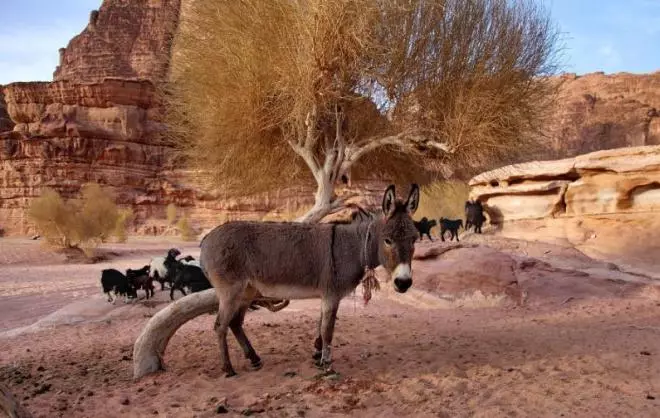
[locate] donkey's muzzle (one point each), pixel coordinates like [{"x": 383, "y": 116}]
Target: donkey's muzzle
[{"x": 402, "y": 284}]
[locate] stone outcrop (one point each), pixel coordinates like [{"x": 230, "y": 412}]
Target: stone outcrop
[
  {"x": 607, "y": 202},
  {"x": 6, "y": 123},
  {"x": 124, "y": 38},
  {"x": 598, "y": 111}
]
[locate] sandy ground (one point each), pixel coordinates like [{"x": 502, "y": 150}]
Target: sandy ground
[{"x": 587, "y": 357}]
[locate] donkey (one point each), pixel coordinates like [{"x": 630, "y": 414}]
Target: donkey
[{"x": 289, "y": 260}]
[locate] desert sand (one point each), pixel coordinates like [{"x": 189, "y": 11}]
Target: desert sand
[{"x": 548, "y": 332}]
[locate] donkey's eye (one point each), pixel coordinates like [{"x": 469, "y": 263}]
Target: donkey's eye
[{"x": 388, "y": 242}]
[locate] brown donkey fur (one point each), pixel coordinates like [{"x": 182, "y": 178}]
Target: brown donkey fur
[{"x": 244, "y": 260}]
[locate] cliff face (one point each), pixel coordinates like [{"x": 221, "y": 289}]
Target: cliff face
[
  {"x": 606, "y": 203},
  {"x": 598, "y": 111},
  {"x": 124, "y": 38},
  {"x": 6, "y": 123}
]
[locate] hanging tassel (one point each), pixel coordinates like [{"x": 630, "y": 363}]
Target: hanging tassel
[{"x": 369, "y": 283}]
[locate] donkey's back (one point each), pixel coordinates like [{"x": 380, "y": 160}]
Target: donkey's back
[{"x": 273, "y": 256}]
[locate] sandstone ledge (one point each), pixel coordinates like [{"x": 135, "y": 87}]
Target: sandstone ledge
[{"x": 624, "y": 180}]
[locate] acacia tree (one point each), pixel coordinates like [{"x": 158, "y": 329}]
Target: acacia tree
[{"x": 270, "y": 93}]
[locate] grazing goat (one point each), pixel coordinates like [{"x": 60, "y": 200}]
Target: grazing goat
[
  {"x": 192, "y": 277},
  {"x": 113, "y": 281},
  {"x": 424, "y": 227},
  {"x": 474, "y": 215},
  {"x": 189, "y": 260},
  {"x": 451, "y": 225},
  {"x": 140, "y": 279},
  {"x": 291, "y": 260},
  {"x": 160, "y": 267}
]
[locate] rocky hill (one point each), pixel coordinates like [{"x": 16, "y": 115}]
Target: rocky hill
[
  {"x": 100, "y": 120},
  {"x": 127, "y": 39}
]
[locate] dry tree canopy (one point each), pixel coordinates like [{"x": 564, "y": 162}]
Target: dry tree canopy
[{"x": 264, "y": 93}]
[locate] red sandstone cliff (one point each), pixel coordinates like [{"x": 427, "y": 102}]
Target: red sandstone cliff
[
  {"x": 6, "y": 123},
  {"x": 598, "y": 111},
  {"x": 124, "y": 38}
]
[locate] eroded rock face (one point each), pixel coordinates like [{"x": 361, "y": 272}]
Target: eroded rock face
[
  {"x": 124, "y": 38},
  {"x": 6, "y": 123},
  {"x": 598, "y": 111},
  {"x": 606, "y": 201}
]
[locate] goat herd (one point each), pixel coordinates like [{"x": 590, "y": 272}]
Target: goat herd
[
  {"x": 474, "y": 216},
  {"x": 178, "y": 273}
]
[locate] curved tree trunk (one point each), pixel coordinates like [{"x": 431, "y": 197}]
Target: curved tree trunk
[
  {"x": 10, "y": 407},
  {"x": 150, "y": 345}
]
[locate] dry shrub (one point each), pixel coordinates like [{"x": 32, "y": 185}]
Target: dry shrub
[
  {"x": 126, "y": 216},
  {"x": 171, "y": 213},
  {"x": 82, "y": 223},
  {"x": 443, "y": 199},
  {"x": 185, "y": 230}
]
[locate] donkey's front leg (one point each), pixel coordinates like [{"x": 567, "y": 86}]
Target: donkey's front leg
[{"x": 328, "y": 318}]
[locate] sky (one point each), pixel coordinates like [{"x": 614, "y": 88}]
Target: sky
[{"x": 598, "y": 35}]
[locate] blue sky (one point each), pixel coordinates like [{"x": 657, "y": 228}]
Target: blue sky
[{"x": 600, "y": 35}]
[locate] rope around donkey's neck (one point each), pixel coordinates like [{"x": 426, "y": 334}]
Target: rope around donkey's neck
[{"x": 369, "y": 280}]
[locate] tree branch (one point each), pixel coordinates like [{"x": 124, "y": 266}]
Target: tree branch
[{"x": 405, "y": 141}]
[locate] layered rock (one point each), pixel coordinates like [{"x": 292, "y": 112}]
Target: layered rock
[
  {"x": 598, "y": 111},
  {"x": 607, "y": 202},
  {"x": 6, "y": 123},
  {"x": 127, "y": 39}
]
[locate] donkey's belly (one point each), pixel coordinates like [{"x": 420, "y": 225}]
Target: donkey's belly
[{"x": 287, "y": 291}]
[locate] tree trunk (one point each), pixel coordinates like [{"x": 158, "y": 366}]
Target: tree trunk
[
  {"x": 150, "y": 345},
  {"x": 323, "y": 202}
]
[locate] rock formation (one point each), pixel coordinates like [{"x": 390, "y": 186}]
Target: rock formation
[
  {"x": 125, "y": 39},
  {"x": 606, "y": 203},
  {"x": 598, "y": 111},
  {"x": 6, "y": 123}
]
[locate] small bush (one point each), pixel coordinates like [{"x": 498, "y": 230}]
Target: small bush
[
  {"x": 185, "y": 230},
  {"x": 125, "y": 217},
  {"x": 171, "y": 213},
  {"x": 73, "y": 223}
]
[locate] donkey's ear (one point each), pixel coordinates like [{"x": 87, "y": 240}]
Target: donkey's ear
[
  {"x": 413, "y": 199},
  {"x": 388, "y": 200}
]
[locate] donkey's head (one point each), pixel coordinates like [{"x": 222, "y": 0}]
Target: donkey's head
[{"x": 398, "y": 236}]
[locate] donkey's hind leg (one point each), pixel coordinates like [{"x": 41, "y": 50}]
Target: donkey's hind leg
[
  {"x": 236, "y": 325},
  {"x": 228, "y": 305}
]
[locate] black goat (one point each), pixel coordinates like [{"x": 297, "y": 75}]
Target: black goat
[
  {"x": 451, "y": 225},
  {"x": 190, "y": 276},
  {"x": 424, "y": 227},
  {"x": 114, "y": 281},
  {"x": 140, "y": 279},
  {"x": 474, "y": 215}
]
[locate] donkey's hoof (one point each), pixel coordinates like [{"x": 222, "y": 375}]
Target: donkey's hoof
[
  {"x": 323, "y": 365},
  {"x": 230, "y": 373},
  {"x": 256, "y": 365},
  {"x": 317, "y": 355}
]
